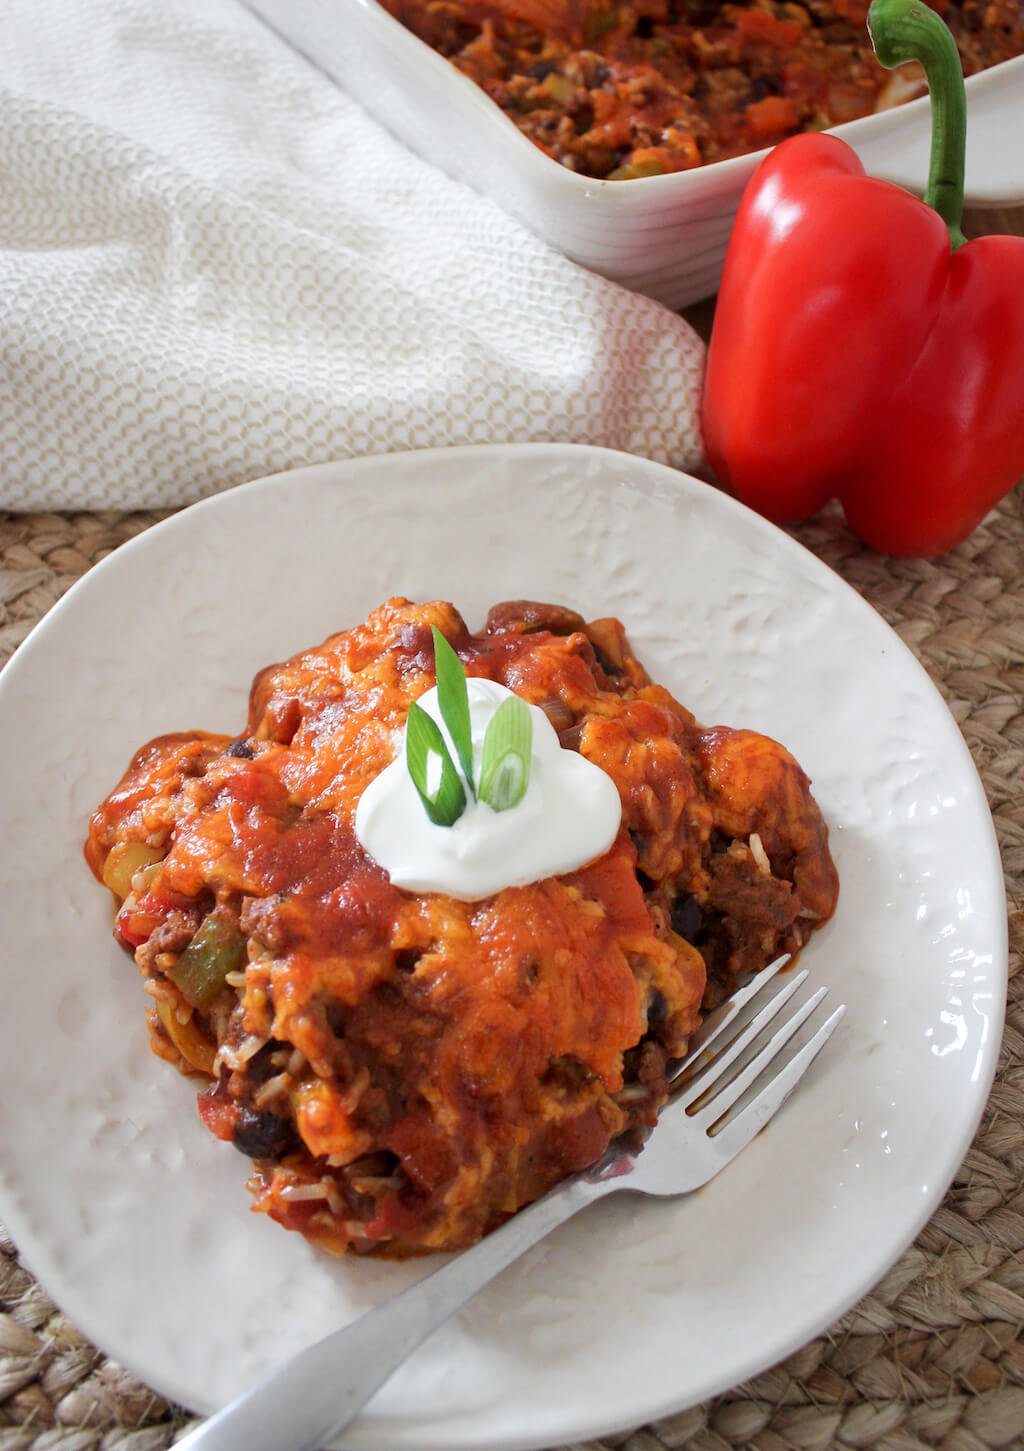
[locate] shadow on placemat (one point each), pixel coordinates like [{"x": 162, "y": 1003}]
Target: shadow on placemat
[{"x": 934, "y": 1356}]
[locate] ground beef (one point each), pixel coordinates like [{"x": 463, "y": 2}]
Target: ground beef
[{"x": 173, "y": 935}]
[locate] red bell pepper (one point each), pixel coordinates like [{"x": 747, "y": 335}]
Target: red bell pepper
[{"x": 861, "y": 347}]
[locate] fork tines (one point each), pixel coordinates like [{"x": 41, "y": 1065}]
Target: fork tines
[{"x": 701, "y": 1083}]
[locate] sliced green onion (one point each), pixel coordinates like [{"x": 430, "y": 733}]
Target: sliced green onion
[
  {"x": 423, "y": 739},
  {"x": 505, "y": 762},
  {"x": 453, "y": 700}
]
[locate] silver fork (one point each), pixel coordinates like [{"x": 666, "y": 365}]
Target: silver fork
[{"x": 322, "y": 1389}]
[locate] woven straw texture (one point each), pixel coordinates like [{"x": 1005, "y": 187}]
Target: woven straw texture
[{"x": 934, "y": 1356}]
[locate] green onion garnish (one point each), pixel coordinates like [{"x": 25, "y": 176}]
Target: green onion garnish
[
  {"x": 453, "y": 701},
  {"x": 423, "y": 738},
  {"x": 505, "y": 762},
  {"x": 505, "y": 759}
]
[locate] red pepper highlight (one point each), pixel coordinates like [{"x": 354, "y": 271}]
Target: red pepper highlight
[{"x": 861, "y": 349}]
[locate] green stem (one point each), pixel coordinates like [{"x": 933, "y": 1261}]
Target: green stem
[{"x": 904, "y": 30}]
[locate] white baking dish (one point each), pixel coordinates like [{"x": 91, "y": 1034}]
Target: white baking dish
[{"x": 662, "y": 235}]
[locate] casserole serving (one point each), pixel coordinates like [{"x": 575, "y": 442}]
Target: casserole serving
[
  {"x": 407, "y": 1068},
  {"x": 662, "y": 235}
]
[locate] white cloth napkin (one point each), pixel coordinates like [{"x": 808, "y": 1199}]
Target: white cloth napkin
[{"x": 214, "y": 265}]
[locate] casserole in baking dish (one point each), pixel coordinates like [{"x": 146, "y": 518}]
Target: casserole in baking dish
[{"x": 664, "y": 235}]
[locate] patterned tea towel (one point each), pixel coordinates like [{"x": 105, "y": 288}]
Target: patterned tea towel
[{"x": 214, "y": 265}]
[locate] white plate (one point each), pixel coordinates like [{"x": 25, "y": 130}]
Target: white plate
[
  {"x": 662, "y": 235},
  {"x": 135, "y": 1218}
]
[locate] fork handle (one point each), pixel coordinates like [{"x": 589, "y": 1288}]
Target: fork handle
[{"x": 322, "y": 1389}]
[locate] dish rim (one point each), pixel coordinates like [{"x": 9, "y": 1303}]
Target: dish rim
[{"x": 730, "y": 169}]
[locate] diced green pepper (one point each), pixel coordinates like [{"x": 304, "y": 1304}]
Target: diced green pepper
[{"x": 200, "y": 972}]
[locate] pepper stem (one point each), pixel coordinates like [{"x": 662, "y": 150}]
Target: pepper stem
[{"x": 905, "y": 30}]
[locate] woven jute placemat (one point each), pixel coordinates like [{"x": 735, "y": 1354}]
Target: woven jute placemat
[{"x": 934, "y": 1355}]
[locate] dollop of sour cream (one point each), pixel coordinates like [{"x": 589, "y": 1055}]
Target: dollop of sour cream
[{"x": 569, "y": 815}]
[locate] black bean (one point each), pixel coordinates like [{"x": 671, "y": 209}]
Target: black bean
[
  {"x": 762, "y": 87},
  {"x": 261, "y": 1065},
  {"x": 262, "y": 1135},
  {"x": 657, "y": 1008},
  {"x": 687, "y": 917},
  {"x": 242, "y": 749}
]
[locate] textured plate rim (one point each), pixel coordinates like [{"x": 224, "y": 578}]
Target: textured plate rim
[{"x": 647, "y": 1408}]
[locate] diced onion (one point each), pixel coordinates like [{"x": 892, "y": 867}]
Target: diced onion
[
  {"x": 193, "y": 1045},
  {"x": 125, "y": 859}
]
